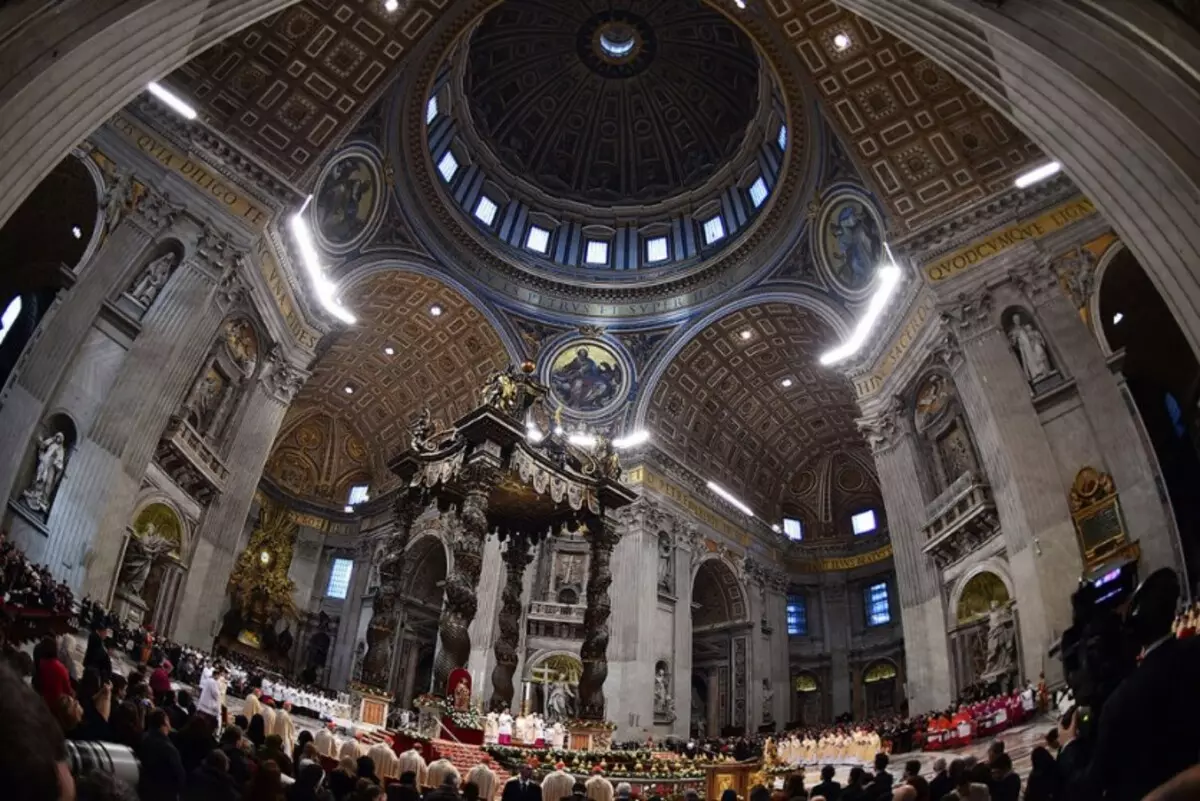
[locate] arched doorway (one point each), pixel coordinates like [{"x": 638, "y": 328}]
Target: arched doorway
[
  {"x": 51, "y": 230},
  {"x": 421, "y": 599},
  {"x": 550, "y": 687},
  {"x": 1163, "y": 378},
  {"x": 809, "y": 704},
  {"x": 968, "y": 637},
  {"x": 880, "y": 683},
  {"x": 719, "y": 650}
]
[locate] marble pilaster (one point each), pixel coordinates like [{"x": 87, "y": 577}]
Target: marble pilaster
[
  {"x": 484, "y": 626},
  {"x": 221, "y": 530},
  {"x": 922, "y": 612}
]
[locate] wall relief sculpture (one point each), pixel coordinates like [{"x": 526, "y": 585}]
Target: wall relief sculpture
[{"x": 1029, "y": 346}]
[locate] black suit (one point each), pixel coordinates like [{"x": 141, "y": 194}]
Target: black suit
[
  {"x": 940, "y": 787},
  {"x": 161, "y": 777},
  {"x": 97, "y": 658},
  {"x": 1147, "y": 730},
  {"x": 830, "y": 791},
  {"x": 516, "y": 790}
]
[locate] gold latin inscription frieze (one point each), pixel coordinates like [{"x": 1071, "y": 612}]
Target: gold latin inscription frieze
[
  {"x": 867, "y": 385},
  {"x": 272, "y": 273},
  {"x": 198, "y": 173},
  {"x": 1006, "y": 238}
]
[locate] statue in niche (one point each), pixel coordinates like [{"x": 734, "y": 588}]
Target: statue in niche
[
  {"x": 239, "y": 341},
  {"x": 956, "y": 453},
  {"x": 666, "y": 563},
  {"x": 117, "y": 200},
  {"x": 151, "y": 279},
  {"x": 1030, "y": 347},
  {"x": 560, "y": 700},
  {"x": 768, "y": 699},
  {"x": 141, "y": 554},
  {"x": 1001, "y": 641},
  {"x": 205, "y": 400},
  {"x": 570, "y": 569},
  {"x": 51, "y": 459},
  {"x": 664, "y": 704}
]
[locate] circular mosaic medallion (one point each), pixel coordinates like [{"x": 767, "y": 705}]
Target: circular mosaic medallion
[
  {"x": 347, "y": 202},
  {"x": 587, "y": 377},
  {"x": 850, "y": 242}
]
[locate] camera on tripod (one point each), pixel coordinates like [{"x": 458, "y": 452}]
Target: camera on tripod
[{"x": 1112, "y": 620}]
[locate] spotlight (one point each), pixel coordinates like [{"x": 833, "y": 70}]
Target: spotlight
[
  {"x": 389, "y": 351},
  {"x": 312, "y": 264},
  {"x": 1038, "y": 174},
  {"x": 841, "y": 41},
  {"x": 391, "y": 6},
  {"x": 632, "y": 440},
  {"x": 727, "y": 495},
  {"x": 888, "y": 278},
  {"x": 172, "y": 100},
  {"x": 786, "y": 383},
  {"x": 436, "y": 310},
  {"x": 349, "y": 390},
  {"x": 1118, "y": 317},
  {"x": 746, "y": 333},
  {"x": 582, "y": 440},
  {"x": 77, "y": 232}
]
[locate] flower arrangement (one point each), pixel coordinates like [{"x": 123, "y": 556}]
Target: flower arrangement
[
  {"x": 464, "y": 719},
  {"x": 639, "y": 764}
]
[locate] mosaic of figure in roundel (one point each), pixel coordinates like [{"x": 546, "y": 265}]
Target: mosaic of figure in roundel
[
  {"x": 852, "y": 242},
  {"x": 346, "y": 200},
  {"x": 587, "y": 377}
]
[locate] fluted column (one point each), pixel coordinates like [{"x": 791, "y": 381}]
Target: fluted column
[
  {"x": 222, "y": 527},
  {"x": 61, "y": 333},
  {"x": 1030, "y": 495},
  {"x": 922, "y": 612},
  {"x": 517, "y": 557},
  {"x": 603, "y": 533},
  {"x": 462, "y": 583},
  {"x": 152, "y": 382}
]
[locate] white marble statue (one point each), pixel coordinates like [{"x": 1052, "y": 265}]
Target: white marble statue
[
  {"x": 559, "y": 700},
  {"x": 117, "y": 200},
  {"x": 1001, "y": 641},
  {"x": 51, "y": 459},
  {"x": 151, "y": 280},
  {"x": 1031, "y": 349},
  {"x": 140, "y": 555},
  {"x": 663, "y": 703}
]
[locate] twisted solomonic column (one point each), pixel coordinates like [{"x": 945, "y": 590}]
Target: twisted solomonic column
[
  {"x": 462, "y": 583},
  {"x": 517, "y": 556},
  {"x": 604, "y": 534},
  {"x": 385, "y": 615}
]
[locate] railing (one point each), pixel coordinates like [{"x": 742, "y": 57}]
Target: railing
[
  {"x": 959, "y": 520},
  {"x": 565, "y": 613}
]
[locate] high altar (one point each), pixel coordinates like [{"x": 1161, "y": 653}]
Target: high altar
[{"x": 509, "y": 470}]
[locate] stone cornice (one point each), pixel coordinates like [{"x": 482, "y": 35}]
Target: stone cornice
[{"x": 983, "y": 216}]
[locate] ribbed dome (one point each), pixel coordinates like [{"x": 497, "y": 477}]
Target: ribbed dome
[{"x": 611, "y": 102}]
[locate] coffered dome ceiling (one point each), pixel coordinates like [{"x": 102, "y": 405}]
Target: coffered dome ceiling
[
  {"x": 600, "y": 105},
  {"x": 436, "y": 361},
  {"x": 721, "y": 406}
]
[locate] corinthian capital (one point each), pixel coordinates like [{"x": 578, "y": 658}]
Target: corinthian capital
[
  {"x": 883, "y": 428},
  {"x": 281, "y": 378},
  {"x": 969, "y": 315}
]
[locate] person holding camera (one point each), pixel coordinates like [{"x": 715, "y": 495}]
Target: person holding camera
[{"x": 1149, "y": 728}]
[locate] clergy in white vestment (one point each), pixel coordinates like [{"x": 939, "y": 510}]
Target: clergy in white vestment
[{"x": 285, "y": 727}]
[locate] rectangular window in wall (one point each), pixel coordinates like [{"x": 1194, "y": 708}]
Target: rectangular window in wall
[
  {"x": 339, "y": 579},
  {"x": 597, "y": 252},
  {"x": 656, "y": 249},
  {"x": 431, "y": 109},
  {"x": 538, "y": 239},
  {"x": 447, "y": 166},
  {"x": 863, "y": 522},
  {"x": 793, "y": 528},
  {"x": 879, "y": 610},
  {"x": 797, "y": 616},
  {"x": 485, "y": 210},
  {"x": 714, "y": 229},
  {"x": 758, "y": 192}
]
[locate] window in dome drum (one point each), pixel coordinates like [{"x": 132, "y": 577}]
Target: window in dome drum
[
  {"x": 538, "y": 239},
  {"x": 447, "y": 166},
  {"x": 485, "y": 210},
  {"x": 597, "y": 252},
  {"x": 714, "y": 229},
  {"x": 656, "y": 249},
  {"x": 758, "y": 192}
]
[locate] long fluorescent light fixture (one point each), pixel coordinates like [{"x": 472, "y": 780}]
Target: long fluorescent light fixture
[
  {"x": 632, "y": 440},
  {"x": 582, "y": 440},
  {"x": 325, "y": 289},
  {"x": 171, "y": 99},
  {"x": 1038, "y": 174},
  {"x": 724, "y": 493},
  {"x": 889, "y": 277}
]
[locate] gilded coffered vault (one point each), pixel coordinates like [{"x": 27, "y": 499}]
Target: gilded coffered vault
[
  {"x": 746, "y": 402},
  {"x": 376, "y": 376}
]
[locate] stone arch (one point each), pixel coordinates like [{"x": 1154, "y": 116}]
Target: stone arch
[
  {"x": 427, "y": 561},
  {"x": 151, "y": 508},
  {"x": 946, "y": 438},
  {"x": 808, "y": 697},
  {"x": 996, "y": 576},
  {"x": 829, "y": 311},
  {"x": 718, "y": 595},
  {"x": 880, "y": 683},
  {"x": 544, "y": 655},
  {"x": 362, "y": 268},
  {"x": 1106, "y": 259}
]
